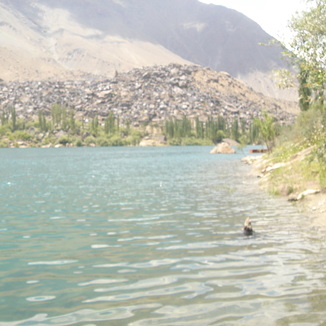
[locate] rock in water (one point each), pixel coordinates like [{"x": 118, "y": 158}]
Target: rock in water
[{"x": 222, "y": 148}]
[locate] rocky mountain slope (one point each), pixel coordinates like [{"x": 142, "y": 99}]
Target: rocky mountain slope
[
  {"x": 39, "y": 42},
  {"x": 77, "y": 38},
  {"x": 147, "y": 96}
]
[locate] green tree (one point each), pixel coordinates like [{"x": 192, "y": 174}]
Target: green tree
[
  {"x": 199, "y": 128},
  {"x": 267, "y": 130},
  {"x": 94, "y": 126},
  {"x": 304, "y": 90},
  {"x": 109, "y": 125},
  {"x": 118, "y": 123},
  {"x": 253, "y": 133},
  {"x": 4, "y": 117},
  {"x": 308, "y": 51},
  {"x": 211, "y": 129},
  {"x": 65, "y": 123},
  {"x": 14, "y": 119},
  {"x": 221, "y": 125},
  {"x": 185, "y": 127},
  {"x": 42, "y": 122},
  {"x": 56, "y": 115},
  {"x": 235, "y": 130},
  {"x": 166, "y": 130},
  {"x": 72, "y": 121},
  {"x": 219, "y": 136}
]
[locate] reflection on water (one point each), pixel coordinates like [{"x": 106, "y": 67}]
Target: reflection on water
[{"x": 150, "y": 236}]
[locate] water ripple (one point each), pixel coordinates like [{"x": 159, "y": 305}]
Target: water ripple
[
  {"x": 134, "y": 236},
  {"x": 41, "y": 298},
  {"x": 56, "y": 262},
  {"x": 194, "y": 288},
  {"x": 102, "y": 281}
]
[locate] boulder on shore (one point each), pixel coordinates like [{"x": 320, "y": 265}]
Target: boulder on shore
[
  {"x": 222, "y": 148},
  {"x": 156, "y": 141}
]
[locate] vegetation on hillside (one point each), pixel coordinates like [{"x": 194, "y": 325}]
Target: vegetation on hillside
[
  {"x": 196, "y": 132},
  {"x": 61, "y": 128},
  {"x": 302, "y": 147}
]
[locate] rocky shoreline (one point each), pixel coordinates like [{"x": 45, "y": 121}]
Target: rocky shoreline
[{"x": 310, "y": 201}]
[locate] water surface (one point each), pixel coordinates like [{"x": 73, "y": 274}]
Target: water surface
[{"x": 150, "y": 236}]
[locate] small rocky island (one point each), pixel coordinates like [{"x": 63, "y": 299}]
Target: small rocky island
[{"x": 223, "y": 148}]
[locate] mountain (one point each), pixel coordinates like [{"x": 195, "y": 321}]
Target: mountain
[
  {"x": 77, "y": 38},
  {"x": 150, "y": 95}
]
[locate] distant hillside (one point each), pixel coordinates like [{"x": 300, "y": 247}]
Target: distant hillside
[
  {"x": 72, "y": 39},
  {"x": 148, "y": 95}
]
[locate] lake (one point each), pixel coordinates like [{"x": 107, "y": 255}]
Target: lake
[{"x": 151, "y": 236}]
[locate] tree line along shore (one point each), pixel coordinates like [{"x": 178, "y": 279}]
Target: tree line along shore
[{"x": 62, "y": 128}]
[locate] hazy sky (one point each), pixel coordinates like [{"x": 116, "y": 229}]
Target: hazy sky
[{"x": 271, "y": 15}]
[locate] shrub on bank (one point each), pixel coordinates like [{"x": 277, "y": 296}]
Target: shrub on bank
[
  {"x": 21, "y": 135},
  {"x": 116, "y": 141},
  {"x": 64, "y": 140},
  {"x": 90, "y": 141},
  {"x": 303, "y": 148},
  {"x": 4, "y": 144}
]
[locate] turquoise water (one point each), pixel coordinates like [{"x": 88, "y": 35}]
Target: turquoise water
[{"x": 150, "y": 236}]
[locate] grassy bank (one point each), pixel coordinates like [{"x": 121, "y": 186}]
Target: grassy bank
[
  {"x": 298, "y": 161},
  {"x": 296, "y": 166}
]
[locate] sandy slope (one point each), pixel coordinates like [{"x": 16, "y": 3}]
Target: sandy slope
[{"x": 64, "y": 49}]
